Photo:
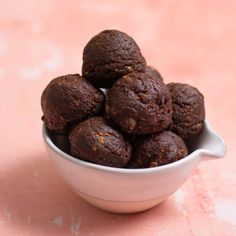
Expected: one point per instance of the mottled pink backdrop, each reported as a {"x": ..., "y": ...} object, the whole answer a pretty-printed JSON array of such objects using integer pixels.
[{"x": 188, "y": 41}]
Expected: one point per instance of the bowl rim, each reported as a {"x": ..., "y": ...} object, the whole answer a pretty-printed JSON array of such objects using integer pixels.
[{"x": 62, "y": 154}]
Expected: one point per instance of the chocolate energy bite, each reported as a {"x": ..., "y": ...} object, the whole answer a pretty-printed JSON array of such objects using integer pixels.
[
  {"x": 153, "y": 73},
  {"x": 157, "y": 150},
  {"x": 69, "y": 99},
  {"x": 110, "y": 55},
  {"x": 188, "y": 110},
  {"x": 139, "y": 105},
  {"x": 95, "y": 141}
]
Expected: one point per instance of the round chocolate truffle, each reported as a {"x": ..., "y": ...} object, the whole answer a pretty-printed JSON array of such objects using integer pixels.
[
  {"x": 69, "y": 99},
  {"x": 139, "y": 105},
  {"x": 188, "y": 110},
  {"x": 157, "y": 150},
  {"x": 110, "y": 55},
  {"x": 153, "y": 73},
  {"x": 95, "y": 141}
]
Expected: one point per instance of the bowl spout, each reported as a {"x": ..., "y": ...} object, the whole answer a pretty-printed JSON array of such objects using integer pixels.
[{"x": 210, "y": 144}]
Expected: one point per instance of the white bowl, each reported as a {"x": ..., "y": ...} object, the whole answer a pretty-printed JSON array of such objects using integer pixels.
[{"x": 131, "y": 190}]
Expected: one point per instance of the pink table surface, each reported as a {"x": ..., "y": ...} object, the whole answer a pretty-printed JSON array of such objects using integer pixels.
[{"x": 188, "y": 41}]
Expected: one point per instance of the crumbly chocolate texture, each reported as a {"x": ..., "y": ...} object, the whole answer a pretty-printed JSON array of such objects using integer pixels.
[
  {"x": 95, "y": 141},
  {"x": 188, "y": 110},
  {"x": 157, "y": 150},
  {"x": 139, "y": 105},
  {"x": 110, "y": 55},
  {"x": 152, "y": 73},
  {"x": 69, "y": 99}
]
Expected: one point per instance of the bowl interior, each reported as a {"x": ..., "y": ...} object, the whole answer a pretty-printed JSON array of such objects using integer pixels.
[{"x": 62, "y": 142}]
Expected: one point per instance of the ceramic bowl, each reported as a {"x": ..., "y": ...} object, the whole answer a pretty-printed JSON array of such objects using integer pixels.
[{"x": 130, "y": 190}]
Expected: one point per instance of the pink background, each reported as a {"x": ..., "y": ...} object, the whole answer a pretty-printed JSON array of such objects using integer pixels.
[{"x": 188, "y": 41}]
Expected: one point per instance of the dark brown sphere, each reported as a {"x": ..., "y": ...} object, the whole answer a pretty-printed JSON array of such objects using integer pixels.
[
  {"x": 139, "y": 105},
  {"x": 110, "y": 55},
  {"x": 69, "y": 99},
  {"x": 188, "y": 110},
  {"x": 95, "y": 141},
  {"x": 157, "y": 150}
]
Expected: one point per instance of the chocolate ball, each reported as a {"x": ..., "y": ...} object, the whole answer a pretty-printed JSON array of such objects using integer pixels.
[
  {"x": 69, "y": 99},
  {"x": 188, "y": 110},
  {"x": 95, "y": 141},
  {"x": 139, "y": 105},
  {"x": 110, "y": 55},
  {"x": 157, "y": 150}
]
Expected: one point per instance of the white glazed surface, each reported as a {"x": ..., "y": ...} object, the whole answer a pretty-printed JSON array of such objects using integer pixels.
[{"x": 132, "y": 190}]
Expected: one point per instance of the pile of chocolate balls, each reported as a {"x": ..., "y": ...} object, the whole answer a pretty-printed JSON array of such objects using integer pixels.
[{"x": 136, "y": 121}]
